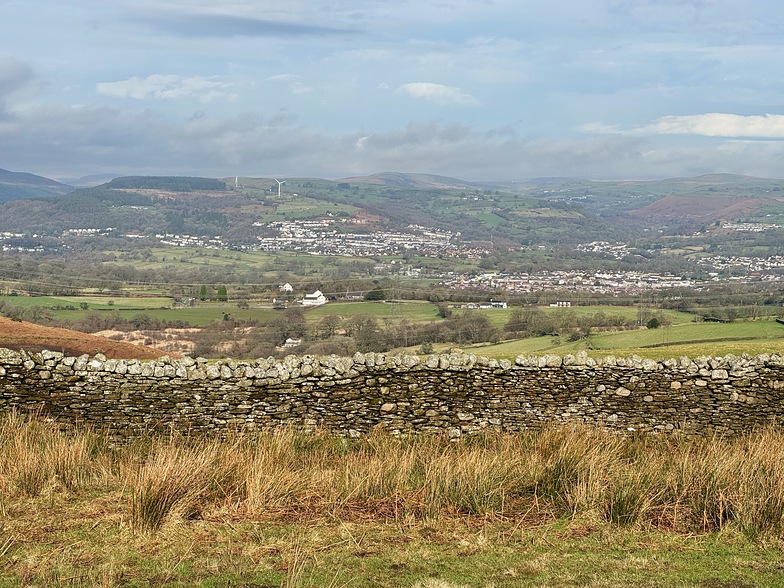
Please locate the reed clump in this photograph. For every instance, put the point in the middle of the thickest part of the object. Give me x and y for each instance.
(673, 482)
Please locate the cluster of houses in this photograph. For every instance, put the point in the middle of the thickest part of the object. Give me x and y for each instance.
(17, 242)
(88, 232)
(568, 281)
(753, 265)
(614, 250)
(482, 305)
(192, 241)
(749, 227)
(330, 237)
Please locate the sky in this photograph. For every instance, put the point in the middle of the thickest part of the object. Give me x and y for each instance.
(475, 89)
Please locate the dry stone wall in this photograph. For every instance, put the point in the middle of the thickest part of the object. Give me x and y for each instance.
(455, 394)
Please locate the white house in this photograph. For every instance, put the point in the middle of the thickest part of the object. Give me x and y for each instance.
(314, 299)
(286, 287)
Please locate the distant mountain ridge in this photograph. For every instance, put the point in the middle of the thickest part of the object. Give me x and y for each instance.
(414, 181)
(16, 185)
(89, 181)
(539, 210)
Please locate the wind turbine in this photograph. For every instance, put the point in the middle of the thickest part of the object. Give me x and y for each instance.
(279, 185)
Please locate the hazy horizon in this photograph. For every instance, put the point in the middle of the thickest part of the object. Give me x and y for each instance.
(500, 90)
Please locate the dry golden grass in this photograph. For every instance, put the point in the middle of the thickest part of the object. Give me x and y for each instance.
(34, 338)
(64, 492)
(684, 484)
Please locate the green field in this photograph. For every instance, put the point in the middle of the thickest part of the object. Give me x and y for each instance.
(680, 337)
(67, 308)
(413, 311)
(753, 337)
(262, 264)
(500, 316)
(489, 218)
(93, 302)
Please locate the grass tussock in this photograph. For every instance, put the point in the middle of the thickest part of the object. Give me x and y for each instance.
(669, 482)
(181, 477)
(35, 454)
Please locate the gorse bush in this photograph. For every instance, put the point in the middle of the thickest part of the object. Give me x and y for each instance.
(678, 483)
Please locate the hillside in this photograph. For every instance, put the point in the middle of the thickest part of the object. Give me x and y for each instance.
(415, 181)
(19, 335)
(16, 185)
(258, 214)
(696, 208)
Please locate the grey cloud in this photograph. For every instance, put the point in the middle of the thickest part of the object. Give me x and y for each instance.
(71, 141)
(166, 87)
(14, 75)
(217, 25)
(438, 93)
(460, 151)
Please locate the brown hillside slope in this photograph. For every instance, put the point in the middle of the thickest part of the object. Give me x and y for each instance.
(33, 338)
(700, 208)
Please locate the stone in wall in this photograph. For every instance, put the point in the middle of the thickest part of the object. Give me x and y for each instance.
(454, 394)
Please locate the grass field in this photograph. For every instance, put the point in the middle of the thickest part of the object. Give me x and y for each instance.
(259, 263)
(206, 312)
(499, 317)
(560, 507)
(159, 308)
(414, 311)
(691, 339)
(94, 302)
(680, 337)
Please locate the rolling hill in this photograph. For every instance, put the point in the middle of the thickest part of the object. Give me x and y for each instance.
(547, 211)
(17, 185)
(414, 181)
(33, 338)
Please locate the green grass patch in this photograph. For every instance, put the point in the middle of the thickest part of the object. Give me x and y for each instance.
(414, 311)
(67, 309)
(93, 302)
(500, 316)
(691, 339)
(490, 219)
(689, 333)
(264, 265)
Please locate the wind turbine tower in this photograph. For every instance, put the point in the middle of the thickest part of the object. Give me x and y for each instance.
(279, 185)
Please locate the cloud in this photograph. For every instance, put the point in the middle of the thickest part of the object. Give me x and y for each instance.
(79, 141)
(768, 126)
(600, 128)
(438, 93)
(15, 75)
(224, 25)
(296, 86)
(283, 78)
(166, 87)
(714, 124)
